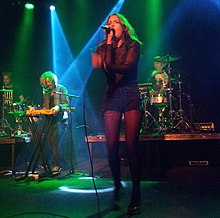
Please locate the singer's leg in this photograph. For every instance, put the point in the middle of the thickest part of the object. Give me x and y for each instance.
(112, 126)
(133, 120)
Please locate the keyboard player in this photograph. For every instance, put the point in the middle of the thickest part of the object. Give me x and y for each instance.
(55, 98)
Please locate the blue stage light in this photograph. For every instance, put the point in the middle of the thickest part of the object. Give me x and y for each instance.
(52, 8)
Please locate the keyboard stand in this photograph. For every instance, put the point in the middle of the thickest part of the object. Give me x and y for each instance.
(39, 126)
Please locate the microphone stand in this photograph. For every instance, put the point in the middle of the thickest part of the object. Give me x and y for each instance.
(70, 127)
(71, 135)
(68, 95)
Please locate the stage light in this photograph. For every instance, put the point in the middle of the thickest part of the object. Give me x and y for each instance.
(52, 8)
(29, 6)
(84, 190)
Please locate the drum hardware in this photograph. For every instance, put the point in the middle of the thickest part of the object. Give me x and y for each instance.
(174, 80)
(158, 100)
(18, 111)
(162, 102)
(169, 91)
(168, 59)
(6, 90)
(183, 124)
(145, 86)
(189, 100)
(5, 127)
(147, 126)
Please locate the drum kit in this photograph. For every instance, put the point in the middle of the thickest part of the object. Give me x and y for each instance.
(163, 112)
(11, 122)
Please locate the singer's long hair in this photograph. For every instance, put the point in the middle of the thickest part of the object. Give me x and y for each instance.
(129, 32)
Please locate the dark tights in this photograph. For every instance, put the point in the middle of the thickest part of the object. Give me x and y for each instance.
(132, 120)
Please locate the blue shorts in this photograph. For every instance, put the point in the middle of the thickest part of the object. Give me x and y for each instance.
(122, 99)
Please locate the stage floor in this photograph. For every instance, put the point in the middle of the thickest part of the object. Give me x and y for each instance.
(74, 197)
(183, 192)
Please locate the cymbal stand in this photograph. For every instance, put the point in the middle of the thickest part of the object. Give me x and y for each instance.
(182, 124)
(4, 124)
(191, 106)
(170, 94)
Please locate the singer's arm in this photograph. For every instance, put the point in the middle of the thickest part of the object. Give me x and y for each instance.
(96, 60)
(98, 57)
(130, 62)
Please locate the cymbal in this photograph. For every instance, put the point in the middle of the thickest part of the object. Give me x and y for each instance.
(7, 99)
(170, 58)
(175, 80)
(144, 84)
(169, 89)
(6, 90)
(18, 113)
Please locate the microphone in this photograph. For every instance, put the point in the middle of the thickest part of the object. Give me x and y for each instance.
(105, 27)
(108, 29)
(63, 93)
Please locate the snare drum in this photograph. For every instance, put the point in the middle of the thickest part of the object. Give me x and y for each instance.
(17, 109)
(158, 100)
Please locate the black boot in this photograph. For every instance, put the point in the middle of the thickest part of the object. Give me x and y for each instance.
(134, 206)
(117, 196)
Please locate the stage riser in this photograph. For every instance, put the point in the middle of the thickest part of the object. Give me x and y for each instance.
(158, 156)
(194, 179)
(161, 156)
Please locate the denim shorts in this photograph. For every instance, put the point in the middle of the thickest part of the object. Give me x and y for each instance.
(122, 99)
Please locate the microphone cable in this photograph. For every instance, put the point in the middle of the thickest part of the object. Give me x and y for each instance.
(87, 141)
(90, 156)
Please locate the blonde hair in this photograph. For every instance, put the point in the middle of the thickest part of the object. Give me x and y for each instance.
(51, 76)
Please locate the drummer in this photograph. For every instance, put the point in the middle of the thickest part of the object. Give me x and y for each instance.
(159, 77)
(7, 85)
(7, 97)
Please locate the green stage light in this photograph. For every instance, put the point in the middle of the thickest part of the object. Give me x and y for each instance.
(29, 6)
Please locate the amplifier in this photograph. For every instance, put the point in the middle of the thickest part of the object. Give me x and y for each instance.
(204, 126)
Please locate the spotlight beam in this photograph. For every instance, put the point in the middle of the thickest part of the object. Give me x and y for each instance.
(85, 54)
(62, 56)
(77, 72)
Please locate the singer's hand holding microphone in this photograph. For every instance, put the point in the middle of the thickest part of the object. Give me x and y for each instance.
(96, 58)
(108, 30)
(110, 33)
